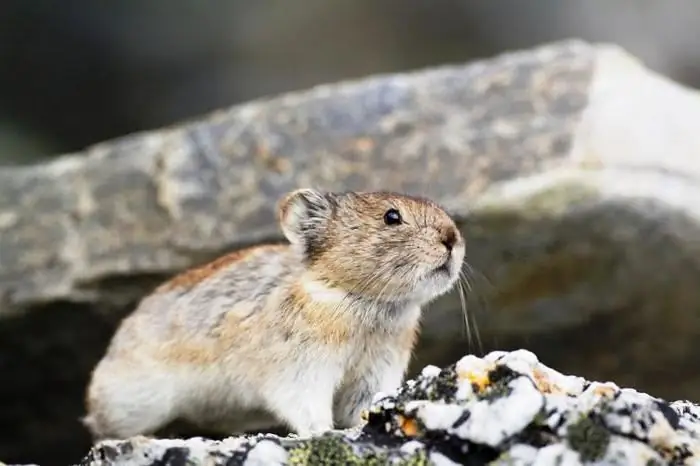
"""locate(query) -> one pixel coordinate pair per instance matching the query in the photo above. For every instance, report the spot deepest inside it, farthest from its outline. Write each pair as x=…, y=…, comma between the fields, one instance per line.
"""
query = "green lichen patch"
x=331, y=450
x=588, y=438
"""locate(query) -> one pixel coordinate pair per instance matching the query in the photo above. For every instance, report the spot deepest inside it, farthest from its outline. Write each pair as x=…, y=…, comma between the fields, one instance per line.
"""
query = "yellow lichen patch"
x=605, y=390
x=479, y=380
x=544, y=384
x=409, y=427
x=364, y=415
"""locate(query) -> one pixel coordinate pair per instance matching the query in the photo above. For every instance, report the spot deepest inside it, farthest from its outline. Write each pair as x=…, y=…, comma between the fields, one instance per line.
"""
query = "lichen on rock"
x=506, y=408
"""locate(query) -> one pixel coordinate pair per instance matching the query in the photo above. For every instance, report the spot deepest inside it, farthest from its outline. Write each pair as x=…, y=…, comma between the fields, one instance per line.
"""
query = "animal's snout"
x=448, y=237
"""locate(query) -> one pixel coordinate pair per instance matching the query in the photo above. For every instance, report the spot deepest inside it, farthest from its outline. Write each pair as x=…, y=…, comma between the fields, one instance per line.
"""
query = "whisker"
x=485, y=290
x=478, y=334
x=474, y=273
x=462, y=301
x=464, y=279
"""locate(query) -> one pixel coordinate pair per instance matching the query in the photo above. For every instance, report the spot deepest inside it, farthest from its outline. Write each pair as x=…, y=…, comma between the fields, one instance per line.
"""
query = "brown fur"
x=191, y=277
x=306, y=332
x=325, y=325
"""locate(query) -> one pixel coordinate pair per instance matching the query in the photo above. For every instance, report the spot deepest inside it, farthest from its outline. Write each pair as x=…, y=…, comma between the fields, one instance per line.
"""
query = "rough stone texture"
x=503, y=409
x=571, y=168
x=155, y=202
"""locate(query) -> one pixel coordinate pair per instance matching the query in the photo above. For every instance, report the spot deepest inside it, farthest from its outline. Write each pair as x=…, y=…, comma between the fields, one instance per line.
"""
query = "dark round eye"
x=392, y=217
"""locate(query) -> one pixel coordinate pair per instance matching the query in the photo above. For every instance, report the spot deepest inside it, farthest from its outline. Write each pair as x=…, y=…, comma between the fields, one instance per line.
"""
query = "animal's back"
x=190, y=306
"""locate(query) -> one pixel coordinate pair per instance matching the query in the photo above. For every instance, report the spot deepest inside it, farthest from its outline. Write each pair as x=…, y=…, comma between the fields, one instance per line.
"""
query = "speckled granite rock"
x=504, y=409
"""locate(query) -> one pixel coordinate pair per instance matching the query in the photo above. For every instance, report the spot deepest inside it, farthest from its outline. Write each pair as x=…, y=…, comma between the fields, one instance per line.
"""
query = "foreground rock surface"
x=572, y=170
x=504, y=409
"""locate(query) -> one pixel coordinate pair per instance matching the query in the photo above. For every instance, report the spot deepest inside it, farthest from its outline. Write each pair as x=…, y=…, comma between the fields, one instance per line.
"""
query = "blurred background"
x=78, y=72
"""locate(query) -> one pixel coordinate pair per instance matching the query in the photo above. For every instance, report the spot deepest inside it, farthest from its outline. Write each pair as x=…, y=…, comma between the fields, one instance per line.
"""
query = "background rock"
x=73, y=76
x=569, y=167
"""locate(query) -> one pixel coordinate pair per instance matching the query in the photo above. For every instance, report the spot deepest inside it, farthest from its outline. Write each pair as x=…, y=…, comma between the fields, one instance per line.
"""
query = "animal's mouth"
x=444, y=268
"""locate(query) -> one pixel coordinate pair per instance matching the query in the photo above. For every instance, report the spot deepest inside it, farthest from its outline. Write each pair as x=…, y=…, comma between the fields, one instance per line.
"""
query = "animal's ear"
x=303, y=214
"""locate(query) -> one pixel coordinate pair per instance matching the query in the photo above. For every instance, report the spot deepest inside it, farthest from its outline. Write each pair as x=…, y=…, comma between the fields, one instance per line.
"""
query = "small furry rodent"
x=301, y=334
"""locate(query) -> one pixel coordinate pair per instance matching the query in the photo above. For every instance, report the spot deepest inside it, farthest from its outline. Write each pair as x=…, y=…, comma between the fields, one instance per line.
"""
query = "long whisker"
x=474, y=273
x=462, y=301
x=466, y=275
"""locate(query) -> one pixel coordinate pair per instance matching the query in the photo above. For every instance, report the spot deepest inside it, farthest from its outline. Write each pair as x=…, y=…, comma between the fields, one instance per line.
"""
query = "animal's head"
x=381, y=245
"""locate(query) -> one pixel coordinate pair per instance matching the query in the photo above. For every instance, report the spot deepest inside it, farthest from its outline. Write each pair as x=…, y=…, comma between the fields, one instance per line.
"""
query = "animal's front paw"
x=314, y=431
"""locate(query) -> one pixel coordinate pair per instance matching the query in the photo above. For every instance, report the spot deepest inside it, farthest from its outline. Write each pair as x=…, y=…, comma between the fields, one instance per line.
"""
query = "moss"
x=541, y=419
x=588, y=438
x=330, y=450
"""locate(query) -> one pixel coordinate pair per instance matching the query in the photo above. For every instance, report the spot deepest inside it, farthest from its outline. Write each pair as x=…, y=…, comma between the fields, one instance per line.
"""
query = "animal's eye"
x=392, y=217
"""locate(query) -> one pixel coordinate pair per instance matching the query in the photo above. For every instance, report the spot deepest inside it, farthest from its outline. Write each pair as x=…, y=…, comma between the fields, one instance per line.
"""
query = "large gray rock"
x=503, y=409
x=156, y=202
x=571, y=168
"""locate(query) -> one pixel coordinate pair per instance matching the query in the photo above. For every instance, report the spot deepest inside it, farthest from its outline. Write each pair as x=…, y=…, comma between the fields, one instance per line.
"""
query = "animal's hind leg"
x=124, y=405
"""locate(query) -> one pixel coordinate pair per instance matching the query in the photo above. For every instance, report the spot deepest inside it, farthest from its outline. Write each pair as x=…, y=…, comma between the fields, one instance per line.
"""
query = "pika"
x=301, y=334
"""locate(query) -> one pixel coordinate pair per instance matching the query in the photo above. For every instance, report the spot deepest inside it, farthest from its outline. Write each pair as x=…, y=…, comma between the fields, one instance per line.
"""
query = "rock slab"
x=506, y=408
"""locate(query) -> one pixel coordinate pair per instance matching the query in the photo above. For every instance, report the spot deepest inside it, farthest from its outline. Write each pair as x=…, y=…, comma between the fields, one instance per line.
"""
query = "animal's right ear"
x=303, y=214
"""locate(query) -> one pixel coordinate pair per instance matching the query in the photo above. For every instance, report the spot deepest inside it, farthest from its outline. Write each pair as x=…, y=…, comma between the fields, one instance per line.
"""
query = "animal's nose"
x=448, y=236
